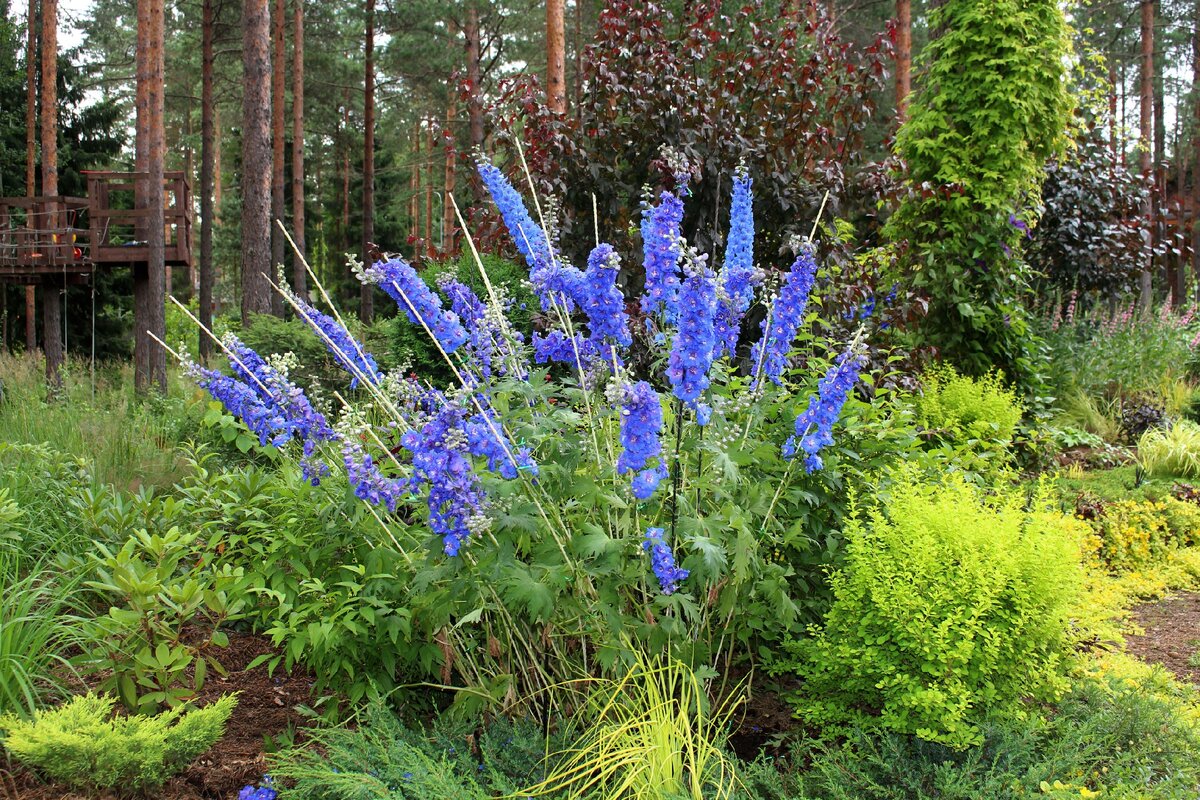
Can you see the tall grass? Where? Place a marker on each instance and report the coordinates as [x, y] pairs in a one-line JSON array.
[[128, 440]]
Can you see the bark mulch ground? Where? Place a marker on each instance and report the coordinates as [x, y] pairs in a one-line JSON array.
[[266, 708], [1172, 635]]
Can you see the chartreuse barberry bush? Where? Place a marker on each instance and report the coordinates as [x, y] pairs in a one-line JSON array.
[[949, 605], [557, 501], [992, 106], [82, 745], [976, 418]]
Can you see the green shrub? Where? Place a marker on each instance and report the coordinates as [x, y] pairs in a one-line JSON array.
[[948, 605], [153, 587], [1173, 451], [382, 758], [963, 407], [82, 745], [1127, 732]]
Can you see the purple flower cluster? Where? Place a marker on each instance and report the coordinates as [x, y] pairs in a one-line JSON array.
[[472, 313], [456, 499], [528, 236], [402, 283], [641, 427], [346, 350], [787, 314], [484, 438], [814, 428], [660, 255], [368, 480], [602, 301], [259, 793], [557, 346], [695, 344], [737, 276], [554, 281], [271, 406], [662, 561]]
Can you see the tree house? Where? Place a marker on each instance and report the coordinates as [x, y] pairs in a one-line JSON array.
[[57, 240]]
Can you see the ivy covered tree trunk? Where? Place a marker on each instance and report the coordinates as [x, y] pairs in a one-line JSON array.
[[993, 107]]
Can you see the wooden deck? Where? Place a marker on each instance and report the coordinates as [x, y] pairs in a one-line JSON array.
[[52, 239]]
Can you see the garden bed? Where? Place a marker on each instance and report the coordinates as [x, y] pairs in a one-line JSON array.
[[1171, 635]]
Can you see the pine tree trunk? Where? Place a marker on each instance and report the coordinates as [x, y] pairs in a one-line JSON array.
[[155, 242], [1196, 142], [448, 224], [346, 246], [429, 188], [278, 113], [474, 76], [414, 185], [51, 292], [299, 276], [1146, 131], [366, 309], [31, 89], [556, 84], [578, 57], [256, 159], [207, 162], [903, 56]]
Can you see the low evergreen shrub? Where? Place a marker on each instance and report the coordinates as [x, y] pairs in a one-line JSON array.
[[83, 746]]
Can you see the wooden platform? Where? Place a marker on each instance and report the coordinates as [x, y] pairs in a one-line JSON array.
[[57, 239]]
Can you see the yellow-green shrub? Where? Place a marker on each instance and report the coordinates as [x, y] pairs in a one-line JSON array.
[[1132, 534], [81, 744], [949, 604], [967, 407]]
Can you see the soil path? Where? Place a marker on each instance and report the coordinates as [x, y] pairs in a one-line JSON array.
[[1172, 635]]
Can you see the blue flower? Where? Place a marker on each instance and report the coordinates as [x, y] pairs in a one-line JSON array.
[[770, 353], [694, 346], [346, 350], [641, 429], [602, 301], [737, 276], [486, 439], [662, 561], [660, 255], [557, 346], [418, 301], [258, 793], [369, 482], [814, 427]]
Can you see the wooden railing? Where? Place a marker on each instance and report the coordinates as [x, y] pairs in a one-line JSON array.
[[117, 235]]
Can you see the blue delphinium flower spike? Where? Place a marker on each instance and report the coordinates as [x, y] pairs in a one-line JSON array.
[[737, 275], [660, 255], [641, 429], [770, 353], [814, 427], [602, 301], [662, 561], [419, 303], [694, 346], [346, 350]]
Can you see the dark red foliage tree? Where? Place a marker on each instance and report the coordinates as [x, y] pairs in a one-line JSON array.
[[782, 93]]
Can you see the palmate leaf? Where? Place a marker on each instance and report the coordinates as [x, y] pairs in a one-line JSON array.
[[521, 588]]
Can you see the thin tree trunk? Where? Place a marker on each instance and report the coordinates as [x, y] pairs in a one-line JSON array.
[[278, 109], [578, 57], [429, 188], [903, 57], [155, 243], [31, 89], [218, 182], [51, 294], [366, 309], [1196, 142], [1146, 132], [556, 84], [448, 224], [31, 102], [299, 276], [207, 162], [414, 185], [474, 76], [346, 246], [256, 159]]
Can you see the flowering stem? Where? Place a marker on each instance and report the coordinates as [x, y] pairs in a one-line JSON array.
[[676, 473]]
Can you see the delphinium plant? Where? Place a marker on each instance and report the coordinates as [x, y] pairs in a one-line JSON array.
[[577, 503]]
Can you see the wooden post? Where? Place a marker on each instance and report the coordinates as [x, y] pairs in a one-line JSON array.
[[30, 319]]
